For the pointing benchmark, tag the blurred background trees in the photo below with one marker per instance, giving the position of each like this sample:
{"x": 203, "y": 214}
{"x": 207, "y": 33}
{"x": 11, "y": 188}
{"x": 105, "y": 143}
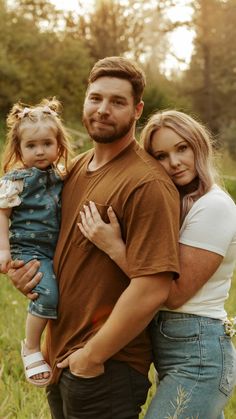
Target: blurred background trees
{"x": 45, "y": 51}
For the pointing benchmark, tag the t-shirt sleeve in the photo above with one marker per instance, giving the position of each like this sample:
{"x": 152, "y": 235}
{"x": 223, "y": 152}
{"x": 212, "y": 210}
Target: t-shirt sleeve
{"x": 9, "y": 193}
{"x": 152, "y": 230}
{"x": 210, "y": 225}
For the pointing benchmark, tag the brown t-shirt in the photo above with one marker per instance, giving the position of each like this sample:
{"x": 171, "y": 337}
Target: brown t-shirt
{"x": 147, "y": 205}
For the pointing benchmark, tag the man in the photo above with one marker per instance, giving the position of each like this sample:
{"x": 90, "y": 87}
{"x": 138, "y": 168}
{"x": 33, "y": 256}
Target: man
{"x": 99, "y": 347}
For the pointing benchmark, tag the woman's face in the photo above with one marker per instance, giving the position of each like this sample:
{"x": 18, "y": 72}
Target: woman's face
{"x": 175, "y": 155}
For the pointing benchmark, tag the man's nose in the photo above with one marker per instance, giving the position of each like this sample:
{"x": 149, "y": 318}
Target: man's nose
{"x": 103, "y": 108}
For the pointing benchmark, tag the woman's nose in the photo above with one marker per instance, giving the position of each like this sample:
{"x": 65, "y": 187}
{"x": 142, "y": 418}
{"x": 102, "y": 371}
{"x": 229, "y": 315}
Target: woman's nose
{"x": 174, "y": 161}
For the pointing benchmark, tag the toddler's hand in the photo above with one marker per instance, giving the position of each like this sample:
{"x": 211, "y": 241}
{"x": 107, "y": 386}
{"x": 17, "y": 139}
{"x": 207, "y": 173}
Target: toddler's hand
{"x": 5, "y": 258}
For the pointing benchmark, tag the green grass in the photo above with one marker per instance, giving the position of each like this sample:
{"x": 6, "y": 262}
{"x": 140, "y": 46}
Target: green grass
{"x": 20, "y": 400}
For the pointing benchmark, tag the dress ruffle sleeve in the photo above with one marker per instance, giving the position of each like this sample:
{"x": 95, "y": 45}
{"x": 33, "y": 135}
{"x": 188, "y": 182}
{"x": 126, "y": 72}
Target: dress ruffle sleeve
{"x": 9, "y": 193}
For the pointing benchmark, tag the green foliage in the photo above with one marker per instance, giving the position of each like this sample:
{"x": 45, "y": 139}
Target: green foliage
{"x": 230, "y": 185}
{"x": 210, "y": 81}
{"x": 37, "y": 61}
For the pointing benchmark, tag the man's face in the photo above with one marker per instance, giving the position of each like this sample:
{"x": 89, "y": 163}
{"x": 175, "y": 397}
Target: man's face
{"x": 109, "y": 110}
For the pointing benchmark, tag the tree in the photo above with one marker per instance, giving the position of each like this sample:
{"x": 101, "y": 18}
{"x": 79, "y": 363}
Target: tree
{"x": 210, "y": 79}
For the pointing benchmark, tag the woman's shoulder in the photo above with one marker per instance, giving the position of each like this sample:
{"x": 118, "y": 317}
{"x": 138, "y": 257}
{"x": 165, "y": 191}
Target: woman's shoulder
{"x": 213, "y": 208}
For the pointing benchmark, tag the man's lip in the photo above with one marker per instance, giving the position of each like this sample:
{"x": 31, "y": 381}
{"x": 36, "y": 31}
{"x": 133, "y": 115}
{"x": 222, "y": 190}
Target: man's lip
{"x": 105, "y": 123}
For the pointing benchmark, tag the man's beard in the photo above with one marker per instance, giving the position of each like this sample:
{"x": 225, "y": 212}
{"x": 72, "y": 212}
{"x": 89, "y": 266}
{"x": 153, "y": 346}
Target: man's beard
{"x": 106, "y": 138}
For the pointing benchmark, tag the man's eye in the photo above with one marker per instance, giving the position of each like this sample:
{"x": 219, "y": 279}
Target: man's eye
{"x": 118, "y": 102}
{"x": 94, "y": 99}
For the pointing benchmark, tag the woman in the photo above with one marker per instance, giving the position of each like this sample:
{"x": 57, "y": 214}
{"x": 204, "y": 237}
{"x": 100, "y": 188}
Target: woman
{"x": 191, "y": 337}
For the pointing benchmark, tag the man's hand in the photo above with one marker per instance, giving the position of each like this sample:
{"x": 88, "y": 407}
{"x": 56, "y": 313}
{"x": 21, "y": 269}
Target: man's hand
{"x": 25, "y": 276}
{"x": 80, "y": 364}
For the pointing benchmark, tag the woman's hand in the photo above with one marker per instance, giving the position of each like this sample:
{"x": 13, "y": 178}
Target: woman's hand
{"x": 103, "y": 235}
{"x": 106, "y": 237}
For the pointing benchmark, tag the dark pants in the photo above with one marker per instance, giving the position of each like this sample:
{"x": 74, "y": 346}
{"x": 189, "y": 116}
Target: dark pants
{"x": 119, "y": 393}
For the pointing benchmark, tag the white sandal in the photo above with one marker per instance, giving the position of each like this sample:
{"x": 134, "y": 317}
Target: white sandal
{"x": 30, "y": 372}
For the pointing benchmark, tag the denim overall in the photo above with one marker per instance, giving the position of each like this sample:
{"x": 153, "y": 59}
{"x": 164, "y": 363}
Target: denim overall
{"x": 34, "y": 230}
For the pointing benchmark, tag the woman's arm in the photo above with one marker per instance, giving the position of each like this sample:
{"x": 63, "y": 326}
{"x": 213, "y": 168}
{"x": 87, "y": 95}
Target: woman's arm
{"x": 5, "y": 255}
{"x": 106, "y": 237}
{"x": 196, "y": 265}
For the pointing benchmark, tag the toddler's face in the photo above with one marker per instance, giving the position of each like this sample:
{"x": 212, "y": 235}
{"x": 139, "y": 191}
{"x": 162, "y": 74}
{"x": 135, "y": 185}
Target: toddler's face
{"x": 39, "y": 147}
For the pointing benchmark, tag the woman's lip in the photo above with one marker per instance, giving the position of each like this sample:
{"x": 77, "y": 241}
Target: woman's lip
{"x": 179, "y": 173}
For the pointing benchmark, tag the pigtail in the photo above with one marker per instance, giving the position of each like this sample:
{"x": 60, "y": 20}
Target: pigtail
{"x": 12, "y": 155}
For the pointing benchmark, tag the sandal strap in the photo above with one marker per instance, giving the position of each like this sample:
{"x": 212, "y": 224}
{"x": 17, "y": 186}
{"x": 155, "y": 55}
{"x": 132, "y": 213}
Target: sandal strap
{"x": 37, "y": 370}
{"x": 32, "y": 358}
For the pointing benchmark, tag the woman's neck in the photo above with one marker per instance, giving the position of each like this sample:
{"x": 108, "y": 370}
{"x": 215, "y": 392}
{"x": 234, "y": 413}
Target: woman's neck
{"x": 189, "y": 188}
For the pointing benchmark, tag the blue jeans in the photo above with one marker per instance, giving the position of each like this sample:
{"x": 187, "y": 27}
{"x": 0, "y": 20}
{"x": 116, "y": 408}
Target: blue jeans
{"x": 196, "y": 365}
{"x": 117, "y": 394}
{"x": 41, "y": 248}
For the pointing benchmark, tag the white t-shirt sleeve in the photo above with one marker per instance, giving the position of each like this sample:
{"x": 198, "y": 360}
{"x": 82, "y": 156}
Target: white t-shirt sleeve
{"x": 208, "y": 225}
{"x": 9, "y": 193}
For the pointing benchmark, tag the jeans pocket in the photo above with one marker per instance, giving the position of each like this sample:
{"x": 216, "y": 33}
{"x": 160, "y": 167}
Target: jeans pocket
{"x": 180, "y": 330}
{"x": 228, "y": 373}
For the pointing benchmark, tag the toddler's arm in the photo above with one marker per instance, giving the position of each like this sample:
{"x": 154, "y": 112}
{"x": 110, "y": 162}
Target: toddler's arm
{"x": 5, "y": 255}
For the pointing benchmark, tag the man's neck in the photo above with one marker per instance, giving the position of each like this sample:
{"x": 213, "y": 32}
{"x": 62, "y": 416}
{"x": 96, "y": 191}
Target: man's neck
{"x": 103, "y": 153}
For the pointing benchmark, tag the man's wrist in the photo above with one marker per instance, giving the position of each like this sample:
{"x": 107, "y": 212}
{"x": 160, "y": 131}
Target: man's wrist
{"x": 93, "y": 354}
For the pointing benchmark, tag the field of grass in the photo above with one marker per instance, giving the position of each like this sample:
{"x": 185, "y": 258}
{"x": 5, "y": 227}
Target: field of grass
{"x": 20, "y": 400}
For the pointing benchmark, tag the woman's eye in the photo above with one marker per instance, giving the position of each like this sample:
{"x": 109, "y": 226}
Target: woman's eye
{"x": 160, "y": 157}
{"x": 183, "y": 148}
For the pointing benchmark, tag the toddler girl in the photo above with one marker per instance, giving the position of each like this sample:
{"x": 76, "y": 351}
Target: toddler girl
{"x": 30, "y": 196}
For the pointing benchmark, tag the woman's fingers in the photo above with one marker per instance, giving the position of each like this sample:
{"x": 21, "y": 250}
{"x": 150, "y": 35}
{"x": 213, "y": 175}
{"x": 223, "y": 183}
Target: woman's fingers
{"x": 94, "y": 211}
{"x": 112, "y": 216}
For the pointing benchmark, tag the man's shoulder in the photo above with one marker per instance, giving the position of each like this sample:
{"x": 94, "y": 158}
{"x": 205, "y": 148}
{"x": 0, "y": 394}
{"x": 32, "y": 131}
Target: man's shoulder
{"x": 147, "y": 167}
{"x": 80, "y": 159}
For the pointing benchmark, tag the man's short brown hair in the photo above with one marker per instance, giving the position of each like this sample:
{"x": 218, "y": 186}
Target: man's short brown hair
{"x": 121, "y": 68}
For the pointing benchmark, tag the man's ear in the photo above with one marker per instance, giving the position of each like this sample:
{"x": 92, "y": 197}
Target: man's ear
{"x": 139, "y": 110}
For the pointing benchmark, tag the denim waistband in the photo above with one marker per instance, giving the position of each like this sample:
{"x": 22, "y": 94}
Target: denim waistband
{"x": 164, "y": 315}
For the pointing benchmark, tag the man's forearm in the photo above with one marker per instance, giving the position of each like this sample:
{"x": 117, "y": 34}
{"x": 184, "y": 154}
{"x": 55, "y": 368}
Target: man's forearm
{"x": 132, "y": 313}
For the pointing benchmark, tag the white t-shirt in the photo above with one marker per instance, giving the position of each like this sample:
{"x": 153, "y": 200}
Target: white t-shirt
{"x": 211, "y": 225}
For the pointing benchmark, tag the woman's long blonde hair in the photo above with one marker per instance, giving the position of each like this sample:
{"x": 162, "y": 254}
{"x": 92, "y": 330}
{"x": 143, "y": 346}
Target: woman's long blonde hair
{"x": 21, "y": 117}
{"x": 199, "y": 139}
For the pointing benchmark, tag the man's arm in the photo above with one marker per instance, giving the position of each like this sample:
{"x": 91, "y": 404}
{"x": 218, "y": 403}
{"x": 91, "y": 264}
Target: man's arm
{"x": 25, "y": 276}
{"x": 196, "y": 268}
{"x": 132, "y": 313}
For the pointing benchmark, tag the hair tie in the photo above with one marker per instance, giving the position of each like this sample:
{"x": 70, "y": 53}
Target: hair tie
{"x": 23, "y": 113}
{"x": 48, "y": 110}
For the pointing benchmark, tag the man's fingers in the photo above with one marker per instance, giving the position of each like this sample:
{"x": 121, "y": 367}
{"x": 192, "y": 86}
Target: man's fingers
{"x": 14, "y": 264}
{"x": 32, "y": 295}
{"x": 25, "y": 276}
